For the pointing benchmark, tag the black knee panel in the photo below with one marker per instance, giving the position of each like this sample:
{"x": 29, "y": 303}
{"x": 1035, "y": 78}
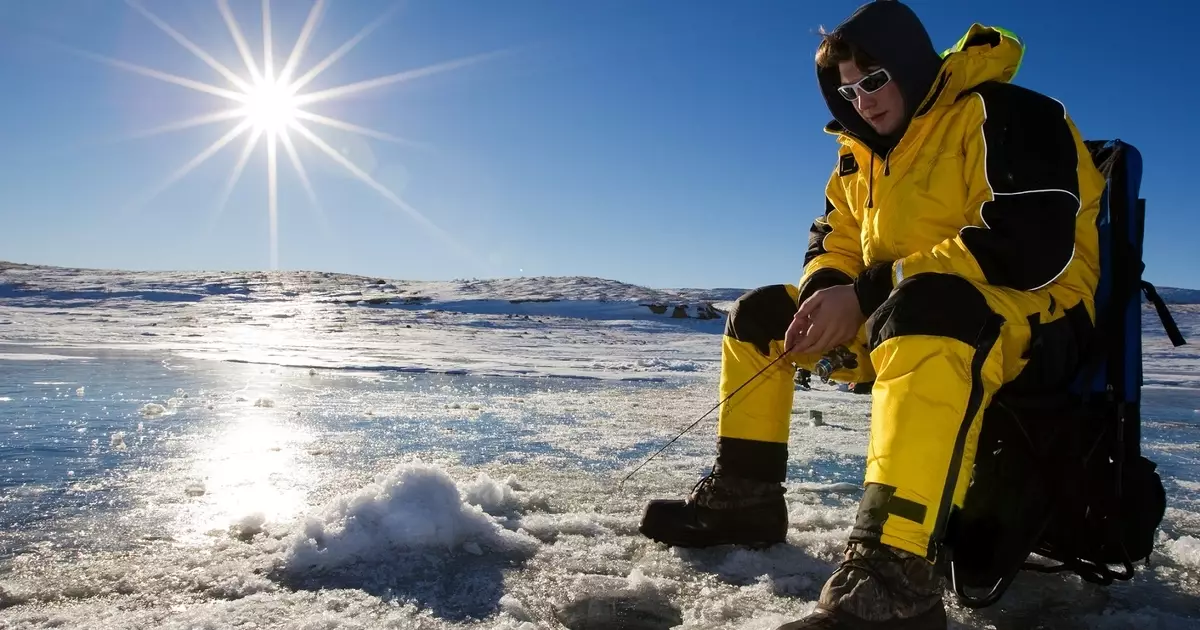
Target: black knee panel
{"x": 761, "y": 316}
{"x": 938, "y": 304}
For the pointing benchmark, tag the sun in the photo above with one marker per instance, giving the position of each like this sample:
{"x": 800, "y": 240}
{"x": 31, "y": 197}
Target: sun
{"x": 270, "y": 103}
{"x": 271, "y": 107}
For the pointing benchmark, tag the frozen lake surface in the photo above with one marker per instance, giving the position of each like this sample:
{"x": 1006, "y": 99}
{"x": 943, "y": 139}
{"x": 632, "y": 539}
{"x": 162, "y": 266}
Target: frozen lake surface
{"x": 324, "y": 451}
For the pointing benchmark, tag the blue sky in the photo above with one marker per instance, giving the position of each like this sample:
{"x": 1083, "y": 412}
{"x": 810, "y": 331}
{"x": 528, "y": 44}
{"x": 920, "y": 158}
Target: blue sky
{"x": 665, "y": 143}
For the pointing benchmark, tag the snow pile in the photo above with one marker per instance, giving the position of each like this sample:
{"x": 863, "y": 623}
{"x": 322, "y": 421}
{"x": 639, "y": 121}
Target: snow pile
{"x": 413, "y": 507}
{"x": 499, "y": 498}
{"x": 1185, "y": 551}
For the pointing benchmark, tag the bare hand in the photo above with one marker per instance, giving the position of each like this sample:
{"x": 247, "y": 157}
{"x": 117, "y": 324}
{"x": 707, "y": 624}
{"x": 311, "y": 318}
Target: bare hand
{"x": 829, "y": 318}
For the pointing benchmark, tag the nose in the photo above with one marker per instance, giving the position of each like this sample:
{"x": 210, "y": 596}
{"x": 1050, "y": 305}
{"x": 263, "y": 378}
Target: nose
{"x": 864, "y": 101}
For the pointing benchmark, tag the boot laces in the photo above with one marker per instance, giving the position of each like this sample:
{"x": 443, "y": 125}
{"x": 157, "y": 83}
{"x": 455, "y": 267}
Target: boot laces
{"x": 704, "y": 486}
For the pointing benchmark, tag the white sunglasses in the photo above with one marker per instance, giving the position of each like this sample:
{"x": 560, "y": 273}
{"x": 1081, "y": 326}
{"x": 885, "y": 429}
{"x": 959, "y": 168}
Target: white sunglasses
{"x": 867, "y": 85}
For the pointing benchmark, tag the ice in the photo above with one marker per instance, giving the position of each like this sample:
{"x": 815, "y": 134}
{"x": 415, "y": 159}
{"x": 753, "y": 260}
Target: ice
{"x": 152, "y": 410}
{"x": 549, "y": 527}
{"x": 840, "y": 486}
{"x": 441, "y": 455}
{"x": 249, "y": 526}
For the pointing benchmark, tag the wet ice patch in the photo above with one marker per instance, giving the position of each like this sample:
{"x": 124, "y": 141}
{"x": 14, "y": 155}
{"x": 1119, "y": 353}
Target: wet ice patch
{"x": 667, "y": 365}
{"x": 548, "y": 527}
{"x": 777, "y": 570}
{"x": 414, "y": 507}
{"x": 1193, "y": 486}
{"x": 822, "y": 488}
{"x": 635, "y": 603}
{"x": 152, "y": 410}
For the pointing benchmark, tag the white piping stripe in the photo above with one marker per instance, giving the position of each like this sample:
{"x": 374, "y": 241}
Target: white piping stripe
{"x": 1039, "y": 190}
{"x": 982, "y": 135}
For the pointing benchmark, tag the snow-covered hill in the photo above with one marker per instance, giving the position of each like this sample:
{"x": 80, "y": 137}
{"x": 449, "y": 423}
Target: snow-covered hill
{"x": 596, "y": 298}
{"x": 39, "y": 285}
{"x": 1173, "y": 295}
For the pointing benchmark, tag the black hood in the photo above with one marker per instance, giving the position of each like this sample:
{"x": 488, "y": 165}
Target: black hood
{"x": 893, "y": 36}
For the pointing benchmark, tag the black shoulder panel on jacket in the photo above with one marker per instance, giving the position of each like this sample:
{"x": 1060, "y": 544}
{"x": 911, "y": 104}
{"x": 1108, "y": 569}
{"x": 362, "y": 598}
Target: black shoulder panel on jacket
{"x": 817, "y": 232}
{"x": 1031, "y": 163}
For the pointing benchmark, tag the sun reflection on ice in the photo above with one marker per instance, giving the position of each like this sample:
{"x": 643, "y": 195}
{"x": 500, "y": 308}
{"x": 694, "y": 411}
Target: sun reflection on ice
{"x": 248, "y": 470}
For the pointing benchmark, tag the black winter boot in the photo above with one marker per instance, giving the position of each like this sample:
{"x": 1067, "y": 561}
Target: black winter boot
{"x": 878, "y": 588}
{"x": 721, "y": 510}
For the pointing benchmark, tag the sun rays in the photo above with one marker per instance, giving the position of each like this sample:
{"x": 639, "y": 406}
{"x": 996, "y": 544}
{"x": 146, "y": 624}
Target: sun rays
{"x": 267, "y": 104}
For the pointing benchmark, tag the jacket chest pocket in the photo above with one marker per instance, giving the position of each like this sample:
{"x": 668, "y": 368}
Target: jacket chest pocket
{"x": 929, "y": 200}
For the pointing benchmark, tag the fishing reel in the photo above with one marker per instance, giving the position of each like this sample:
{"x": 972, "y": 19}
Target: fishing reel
{"x": 838, "y": 358}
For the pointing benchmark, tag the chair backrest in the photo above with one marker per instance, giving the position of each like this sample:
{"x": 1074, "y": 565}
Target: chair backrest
{"x": 1113, "y": 370}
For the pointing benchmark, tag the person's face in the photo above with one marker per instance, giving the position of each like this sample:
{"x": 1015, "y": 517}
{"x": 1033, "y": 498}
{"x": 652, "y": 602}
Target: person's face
{"x": 882, "y": 108}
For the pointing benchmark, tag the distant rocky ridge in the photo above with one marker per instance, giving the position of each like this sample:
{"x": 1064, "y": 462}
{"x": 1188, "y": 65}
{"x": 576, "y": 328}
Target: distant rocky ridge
{"x": 32, "y": 285}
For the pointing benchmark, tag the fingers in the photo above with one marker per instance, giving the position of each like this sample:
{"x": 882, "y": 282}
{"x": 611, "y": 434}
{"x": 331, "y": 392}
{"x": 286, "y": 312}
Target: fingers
{"x": 824, "y": 339}
{"x": 802, "y": 322}
{"x": 810, "y": 305}
{"x": 806, "y": 334}
{"x": 825, "y": 336}
{"x": 795, "y": 333}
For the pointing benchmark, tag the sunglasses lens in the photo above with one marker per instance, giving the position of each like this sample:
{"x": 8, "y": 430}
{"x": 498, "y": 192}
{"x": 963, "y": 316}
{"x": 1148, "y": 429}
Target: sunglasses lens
{"x": 874, "y": 81}
{"x": 847, "y": 92}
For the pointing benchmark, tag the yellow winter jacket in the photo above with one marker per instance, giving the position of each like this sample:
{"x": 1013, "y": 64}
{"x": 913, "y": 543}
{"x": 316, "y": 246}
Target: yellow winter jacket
{"x": 990, "y": 182}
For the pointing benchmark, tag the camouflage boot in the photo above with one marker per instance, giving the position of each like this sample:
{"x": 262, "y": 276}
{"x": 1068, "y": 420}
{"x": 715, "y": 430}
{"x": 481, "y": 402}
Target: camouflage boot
{"x": 881, "y": 588}
{"x": 721, "y": 510}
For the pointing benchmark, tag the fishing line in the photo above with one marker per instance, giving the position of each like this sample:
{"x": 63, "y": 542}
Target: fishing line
{"x": 693, "y": 425}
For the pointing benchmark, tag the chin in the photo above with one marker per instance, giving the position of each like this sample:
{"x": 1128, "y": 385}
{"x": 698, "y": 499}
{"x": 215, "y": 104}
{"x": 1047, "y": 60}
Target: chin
{"x": 884, "y": 127}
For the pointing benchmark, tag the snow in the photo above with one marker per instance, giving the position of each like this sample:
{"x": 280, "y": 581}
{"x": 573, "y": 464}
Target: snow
{"x": 316, "y": 450}
{"x": 410, "y": 508}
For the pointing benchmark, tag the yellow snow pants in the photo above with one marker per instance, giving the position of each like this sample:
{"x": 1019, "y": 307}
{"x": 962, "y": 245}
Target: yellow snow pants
{"x": 937, "y": 351}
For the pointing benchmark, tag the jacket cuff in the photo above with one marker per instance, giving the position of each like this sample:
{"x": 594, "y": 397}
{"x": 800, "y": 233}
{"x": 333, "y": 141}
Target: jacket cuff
{"x": 821, "y": 279}
{"x": 873, "y": 286}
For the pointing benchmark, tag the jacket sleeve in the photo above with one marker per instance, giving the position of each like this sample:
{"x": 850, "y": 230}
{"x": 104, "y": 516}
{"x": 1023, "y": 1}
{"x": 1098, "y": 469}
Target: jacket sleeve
{"x": 1021, "y": 167}
{"x": 834, "y": 255}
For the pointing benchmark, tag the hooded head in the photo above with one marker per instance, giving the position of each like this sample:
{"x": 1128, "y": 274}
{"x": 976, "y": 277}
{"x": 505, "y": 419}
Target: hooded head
{"x": 883, "y": 34}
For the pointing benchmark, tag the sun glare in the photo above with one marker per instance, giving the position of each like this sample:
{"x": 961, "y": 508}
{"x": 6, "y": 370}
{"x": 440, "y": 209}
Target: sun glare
{"x": 268, "y": 103}
{"x": 271, "y": 107}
